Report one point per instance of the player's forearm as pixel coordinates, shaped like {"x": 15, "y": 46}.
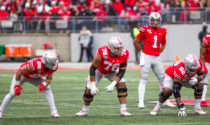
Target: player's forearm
{"x": 202, "y": 58}
{"x": 92, "y": 78}
{"x": 162, "y": 48}
{"x": 117, "y": 79}
{"x": 48, "y": 81}
{"x": 178, "y": 101}
{"x": 18, "y": 75}
{"x": 202, "y": 53}
{"x": 201, "y": 76}
{"x": 92, "y": 73}
{"x": 137, "y": 45}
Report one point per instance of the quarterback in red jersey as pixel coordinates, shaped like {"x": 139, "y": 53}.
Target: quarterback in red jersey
{"x": 188, "y": 73}
{"x": 205, "y": 58}
{"x": 154, "y": 42}
{"x": 110, "y": 62}
{"x": 34, "y": 71}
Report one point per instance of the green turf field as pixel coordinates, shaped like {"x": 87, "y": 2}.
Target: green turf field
{"x": 31, "y": 107}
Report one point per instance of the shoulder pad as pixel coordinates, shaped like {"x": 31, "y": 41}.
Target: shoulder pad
{"x": 142, "y": 29}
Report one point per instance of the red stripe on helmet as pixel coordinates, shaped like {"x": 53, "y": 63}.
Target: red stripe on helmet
{"x": 156, "y": 15}
{"x": 119, "y": 41}
{"x": 194, "y": 62}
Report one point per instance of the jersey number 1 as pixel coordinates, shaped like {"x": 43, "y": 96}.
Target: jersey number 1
{"x": 155, "y": 42}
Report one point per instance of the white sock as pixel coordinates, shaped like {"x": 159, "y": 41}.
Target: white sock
{"x": 50, "y": 99}
{"x": 85, "y": 108}
{"x": 158, "y": 105}
{"x": 204, "y": 93}
{"x": 141, "y": 89}
{"x": 197, "y": 102}
{"x": 123, "y": 107}
{"x": 7, "y": 99}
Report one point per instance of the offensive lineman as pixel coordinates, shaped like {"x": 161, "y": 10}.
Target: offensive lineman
{"x": 110, "y": 62}
{"x": 34, "y": 71}
{"x": 154, "y": 42}
{"x": 182, "y": 73}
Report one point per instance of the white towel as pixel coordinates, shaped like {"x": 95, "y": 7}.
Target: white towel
{"x": 142, "y": 61}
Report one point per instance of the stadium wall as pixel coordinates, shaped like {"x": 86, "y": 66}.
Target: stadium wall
{"x": 181, "y": 40}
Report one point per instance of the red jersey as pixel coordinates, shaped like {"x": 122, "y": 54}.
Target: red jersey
{"x": 205, "y": 41}
{"x": 109, "y": 64}
{"x": 37, "y": 68}
{"x": 178, "y": 70}
{"x": 152, "y": 39}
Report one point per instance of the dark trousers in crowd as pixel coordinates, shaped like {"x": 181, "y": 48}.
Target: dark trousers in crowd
{"x": 88, "y": 53}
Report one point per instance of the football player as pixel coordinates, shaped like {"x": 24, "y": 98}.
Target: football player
{"x": 110, "y": 62}
{"x": 188, "y": 73}
{"x": 205, "y": 58}
{"x": 34, "y": 71}
{"x": 154, "y": 42}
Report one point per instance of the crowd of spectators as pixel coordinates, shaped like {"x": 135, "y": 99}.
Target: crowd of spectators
{"x": 125, "y": 10}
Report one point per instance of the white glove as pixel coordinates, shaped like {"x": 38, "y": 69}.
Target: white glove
{"x": 181, "y": 112}
{"x": 111, "y": 86}
{"x": 193, "y": 81}
{"x": 94, "y": 89}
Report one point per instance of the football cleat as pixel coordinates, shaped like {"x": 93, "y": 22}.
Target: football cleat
{"x": 204, "y": 103}
{"x": 125, "y": 113}
{"x": 55, "y": 114}
{"x": 155, "y": 111}
{"x": 169, "y": 104}
{"x": 1, "y": 113}
{"x": 82, "y": 113}
{"x": 199, "y": 111}
{"x": 141, "y": 104}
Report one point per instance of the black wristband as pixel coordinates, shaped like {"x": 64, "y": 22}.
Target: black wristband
{"x": 181, "y": 105}
{"x": 199, "y": 79}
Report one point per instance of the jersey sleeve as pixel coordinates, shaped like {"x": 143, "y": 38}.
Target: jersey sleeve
{"x": 179, "y": 73}
{"x": 33, "y": 65}
{"x": 206, "y": 40}
{"x": 126, "y": 55}
{"x": 99, "y": 52}
{"x": 141, "y": 34}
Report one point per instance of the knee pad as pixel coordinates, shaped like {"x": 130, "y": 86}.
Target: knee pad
{"x": 198, "y": 92}
{"x": 121, "y": 90}
{"x": 87, "y": 96}
{"x": 164, "y": 96}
